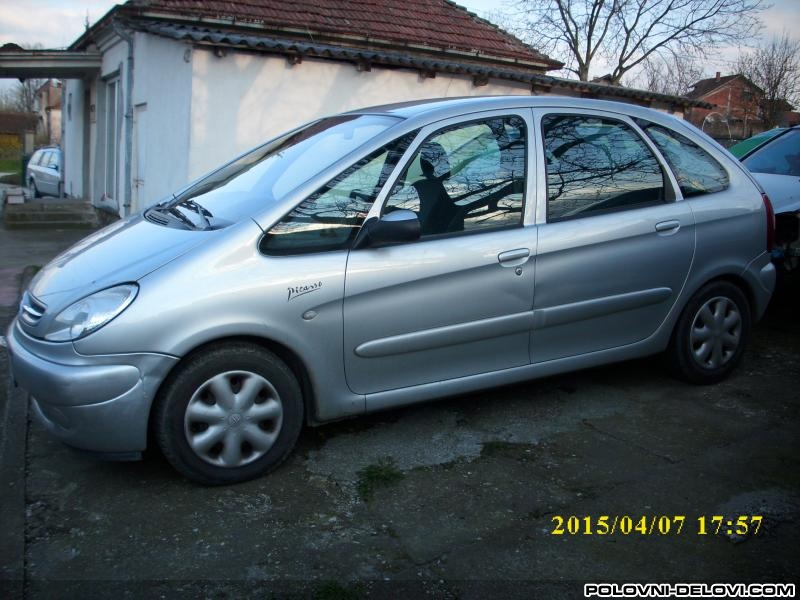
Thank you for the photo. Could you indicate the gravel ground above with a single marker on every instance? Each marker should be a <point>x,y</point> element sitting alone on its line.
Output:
<point>453,499</point>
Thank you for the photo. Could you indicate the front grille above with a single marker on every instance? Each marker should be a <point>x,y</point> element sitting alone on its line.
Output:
<point>31,309</point>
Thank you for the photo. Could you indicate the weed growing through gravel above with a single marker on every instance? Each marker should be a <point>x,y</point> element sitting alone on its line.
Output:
<point>372,477</point>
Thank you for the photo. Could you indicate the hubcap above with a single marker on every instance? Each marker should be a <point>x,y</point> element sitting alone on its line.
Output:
<point>716,332</point>
<point>233,419</point>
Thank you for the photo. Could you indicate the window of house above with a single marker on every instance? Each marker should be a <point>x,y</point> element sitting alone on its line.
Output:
<point>597,165</point>
<point>330,218</point>
<point>695,169</point>
<point>466,177</point>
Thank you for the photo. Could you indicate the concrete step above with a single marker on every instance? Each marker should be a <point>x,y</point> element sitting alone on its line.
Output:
<point>50,216</point>
<point>49,225</point>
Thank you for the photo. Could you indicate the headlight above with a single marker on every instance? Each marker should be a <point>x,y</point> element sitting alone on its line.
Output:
<point>91,313</point>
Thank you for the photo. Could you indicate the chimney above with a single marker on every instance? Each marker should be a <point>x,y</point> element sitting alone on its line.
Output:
<point>717,75</point>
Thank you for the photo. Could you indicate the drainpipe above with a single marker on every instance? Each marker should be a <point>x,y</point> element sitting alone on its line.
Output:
<point>128,37</point>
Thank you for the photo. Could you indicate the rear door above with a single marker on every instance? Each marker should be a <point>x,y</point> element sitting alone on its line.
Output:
<point>459,301</point>
<point>615,246</point>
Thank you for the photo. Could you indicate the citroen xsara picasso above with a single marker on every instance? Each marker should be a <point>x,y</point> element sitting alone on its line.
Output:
<point>388,256</point>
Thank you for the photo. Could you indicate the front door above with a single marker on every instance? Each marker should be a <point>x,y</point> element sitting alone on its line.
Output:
<point>458,301</point>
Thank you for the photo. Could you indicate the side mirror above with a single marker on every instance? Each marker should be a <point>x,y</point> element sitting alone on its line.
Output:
<point>392,228</point>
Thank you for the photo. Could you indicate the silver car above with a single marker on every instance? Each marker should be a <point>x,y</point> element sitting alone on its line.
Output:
<point>43,173</point>
<point>388,256</point>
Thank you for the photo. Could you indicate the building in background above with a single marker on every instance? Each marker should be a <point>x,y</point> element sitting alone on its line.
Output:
<point>48,110</point>
<point>161,91</point>
<point>735,113</point>
<point>17,131</point>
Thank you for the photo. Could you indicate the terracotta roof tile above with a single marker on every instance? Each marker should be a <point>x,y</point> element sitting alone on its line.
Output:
<point>704,86</point>
<point>439,24</point>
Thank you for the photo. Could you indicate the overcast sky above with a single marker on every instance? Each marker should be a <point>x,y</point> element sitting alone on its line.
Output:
<point>57,23</point>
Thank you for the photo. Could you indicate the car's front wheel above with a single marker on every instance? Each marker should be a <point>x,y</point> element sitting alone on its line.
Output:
<point>228,414</point>
<point>711,334</point>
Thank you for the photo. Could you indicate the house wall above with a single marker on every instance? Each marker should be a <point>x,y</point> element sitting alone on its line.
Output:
<point>161,99</point>
<point>75,120</point>
<point>242,99</point>
<point>193,110</point>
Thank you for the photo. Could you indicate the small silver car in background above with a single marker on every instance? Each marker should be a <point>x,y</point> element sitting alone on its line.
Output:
<point>43,173</point>
<point>388,256</point>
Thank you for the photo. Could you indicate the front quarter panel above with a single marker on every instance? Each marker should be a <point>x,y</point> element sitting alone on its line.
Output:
<point>226,289</point>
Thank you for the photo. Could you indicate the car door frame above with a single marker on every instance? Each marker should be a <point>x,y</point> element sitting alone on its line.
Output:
<point>380,399</point>
<point>542,316</point>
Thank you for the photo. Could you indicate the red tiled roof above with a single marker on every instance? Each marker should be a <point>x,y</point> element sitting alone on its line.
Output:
<point>440,24</point>
<point>704,86</point>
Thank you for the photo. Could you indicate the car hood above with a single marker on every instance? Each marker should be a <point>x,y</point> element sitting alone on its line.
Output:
<point>783,191</point>
<point>122,252</point>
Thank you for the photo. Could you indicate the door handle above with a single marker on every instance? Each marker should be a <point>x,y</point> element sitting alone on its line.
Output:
<point>668,227</point>
<point>513,258</point>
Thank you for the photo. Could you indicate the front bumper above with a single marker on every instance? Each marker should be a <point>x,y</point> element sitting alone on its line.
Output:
<point>96,403</point>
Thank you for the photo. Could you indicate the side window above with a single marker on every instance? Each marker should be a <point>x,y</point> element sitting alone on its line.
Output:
<point>597,165</point>
<point>45,160</point>
<point>330,218</point>
<point>695,169</point>
<point>37,156</point>
<point>52,161</point>
<point>466,177</point>
<point>781,156</point>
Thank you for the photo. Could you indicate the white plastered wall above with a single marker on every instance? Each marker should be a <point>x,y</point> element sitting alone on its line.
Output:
<point>240,100</point>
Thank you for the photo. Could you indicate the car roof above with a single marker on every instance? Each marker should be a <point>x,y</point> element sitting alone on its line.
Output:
<point>434,108</point>
<point>741,148</point>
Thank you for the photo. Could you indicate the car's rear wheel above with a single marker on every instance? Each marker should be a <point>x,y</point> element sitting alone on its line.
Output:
<point>711,334</point>
<point>228,414</point>
<point>34,191</point>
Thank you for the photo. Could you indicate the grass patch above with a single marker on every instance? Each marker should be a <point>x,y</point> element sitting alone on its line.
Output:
<point>382,474</point>
<point>332,590</point>
<point>10,165</point>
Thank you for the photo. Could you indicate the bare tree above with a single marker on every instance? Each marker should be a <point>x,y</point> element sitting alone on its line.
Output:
<point>626,33</point>
<point>775,68</point>
<point>674,75</point>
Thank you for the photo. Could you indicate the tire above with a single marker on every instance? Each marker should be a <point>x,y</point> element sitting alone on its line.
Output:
<point>710,337</point>
<point>228,414</point>
<point>33,189</point>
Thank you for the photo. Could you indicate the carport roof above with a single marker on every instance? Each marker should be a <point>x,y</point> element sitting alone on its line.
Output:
<point>19,63</point>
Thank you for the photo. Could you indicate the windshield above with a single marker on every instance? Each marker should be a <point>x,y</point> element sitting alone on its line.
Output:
<point>272,170</point>
<point>780,156</point>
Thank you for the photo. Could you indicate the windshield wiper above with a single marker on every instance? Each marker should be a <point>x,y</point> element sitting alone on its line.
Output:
<point>173,214</point>
<point>203,212</point>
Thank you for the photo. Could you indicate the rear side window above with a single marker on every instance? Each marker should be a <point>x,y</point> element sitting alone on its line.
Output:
<point>37,156</point>
<point>695,169</point>
<point>597,165</point>
<point>330,218</point>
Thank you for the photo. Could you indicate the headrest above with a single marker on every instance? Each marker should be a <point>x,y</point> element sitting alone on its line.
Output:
<point>433,160</point>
